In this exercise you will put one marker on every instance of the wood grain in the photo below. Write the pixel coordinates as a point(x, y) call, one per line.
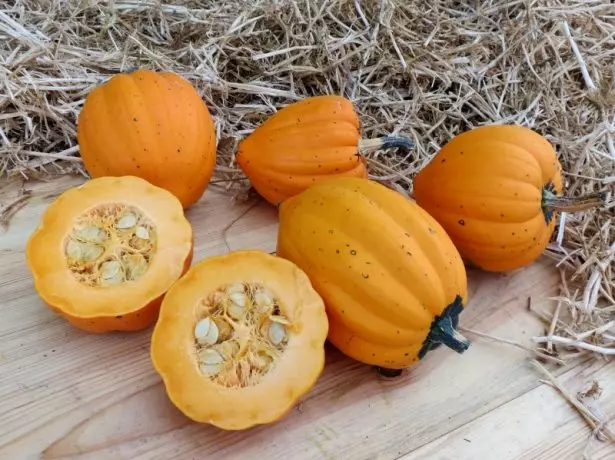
point(66, 394)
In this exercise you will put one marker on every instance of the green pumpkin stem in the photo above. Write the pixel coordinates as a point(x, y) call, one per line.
point(553, 202)
point(443, 330)
point(383, 143)
point(445, 333)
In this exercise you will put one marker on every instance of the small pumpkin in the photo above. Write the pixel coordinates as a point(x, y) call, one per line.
point(152, 125)
point(497, 190)
point(240, 339)
point(305, 142)
point(392, 281)
point(105, 252)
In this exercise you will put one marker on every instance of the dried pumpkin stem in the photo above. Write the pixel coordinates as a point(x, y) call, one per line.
point(562, 203)
point(446, 334)
point(383, 143)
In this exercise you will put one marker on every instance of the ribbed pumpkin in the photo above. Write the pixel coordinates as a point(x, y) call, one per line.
point(305, 142)
point(105, 253)
point(240, 339)
point(151, 125)
point(497, 190)
point(392, 281)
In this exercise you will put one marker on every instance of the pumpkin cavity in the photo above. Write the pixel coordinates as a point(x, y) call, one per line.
point(239, 334)
point(110, 244)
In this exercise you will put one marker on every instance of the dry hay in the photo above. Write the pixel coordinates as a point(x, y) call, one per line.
point(424, 69)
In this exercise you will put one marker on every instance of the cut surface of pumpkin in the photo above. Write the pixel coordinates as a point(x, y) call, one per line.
point(105, 253)
point(240, 339)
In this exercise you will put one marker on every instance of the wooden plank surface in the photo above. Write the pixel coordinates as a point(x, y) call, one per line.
point(66, 394)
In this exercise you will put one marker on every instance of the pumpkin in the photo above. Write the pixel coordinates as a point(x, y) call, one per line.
point(151, 125)
point(392, 281)
point(305, 142)
point(496, 190)
point(240, 339)
point(105, 252)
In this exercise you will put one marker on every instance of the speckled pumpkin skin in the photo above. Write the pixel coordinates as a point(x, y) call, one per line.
point(486, 188)
point(152, 125)
point(384, 267)
point(305, 142)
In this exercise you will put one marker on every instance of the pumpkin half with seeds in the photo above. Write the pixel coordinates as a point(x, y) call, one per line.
point(105, 252)
point(306, 142)
point(392, 280)
point(152, 125)
point(240, 339)
point(497, 191)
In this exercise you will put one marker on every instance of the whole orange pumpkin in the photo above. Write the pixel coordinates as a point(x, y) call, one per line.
point(305, 142)
point(151, 125)
point(392, 281)
point(497, 190)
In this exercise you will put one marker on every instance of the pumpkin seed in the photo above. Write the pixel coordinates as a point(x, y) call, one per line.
point(136, 266)
point(209, 356)
point(210, 370)
point(235, 311)
point(111, 273)
point(237, 305)
point(212, 335)
point(127, 221)
point(277, 333)
point(242, 335)
point(83, 252)
point(91, 234)
point(236, 288)
point(264, 299)
point(239, 299)
point(142, 233)
point(206, 331)
point(228, 349)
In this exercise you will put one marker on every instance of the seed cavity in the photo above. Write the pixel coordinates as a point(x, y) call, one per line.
point(110, 245)
point(240, 334)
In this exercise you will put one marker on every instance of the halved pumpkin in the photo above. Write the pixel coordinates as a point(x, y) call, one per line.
point(240, 339)
point(105, 253)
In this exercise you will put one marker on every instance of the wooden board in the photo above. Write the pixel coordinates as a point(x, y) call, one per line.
point(66, 394)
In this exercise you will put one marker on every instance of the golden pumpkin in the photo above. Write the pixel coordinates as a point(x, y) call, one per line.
point(152, 125)
point(392, 281)
point(496, 190)
point(240, 339)
point(305, 142)
point(105, 253)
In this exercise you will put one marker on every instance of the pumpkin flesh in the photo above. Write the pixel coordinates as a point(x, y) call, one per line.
point(385, 269)
point(257, 374)
point(105, 252)
point(152, 125)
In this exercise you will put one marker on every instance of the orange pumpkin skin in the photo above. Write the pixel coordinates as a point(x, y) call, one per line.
point(241, 397)
point(303, 143)
point(496, 190)
point(392, 281)
point(76, 290)
point(152, 125)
